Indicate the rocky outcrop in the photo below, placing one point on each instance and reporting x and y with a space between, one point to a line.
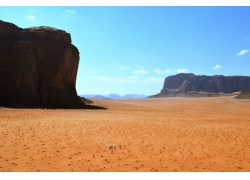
243 95
38 67
190 85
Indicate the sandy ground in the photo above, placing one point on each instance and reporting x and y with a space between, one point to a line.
168 134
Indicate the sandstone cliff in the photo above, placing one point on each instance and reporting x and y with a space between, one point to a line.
38 67
191 85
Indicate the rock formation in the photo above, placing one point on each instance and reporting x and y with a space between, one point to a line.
243 95
190 85
38 67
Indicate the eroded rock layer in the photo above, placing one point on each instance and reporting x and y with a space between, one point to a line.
190 85
38 67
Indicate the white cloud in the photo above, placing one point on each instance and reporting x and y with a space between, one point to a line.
133 77
158 71
141 71
70 11
217 67
30 18
111 80
123 67
129 79
152 80
242 52
94 71
182 70
169 71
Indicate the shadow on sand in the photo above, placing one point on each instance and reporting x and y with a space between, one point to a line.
83 104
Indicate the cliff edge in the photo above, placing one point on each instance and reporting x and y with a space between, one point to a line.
38 67
190 85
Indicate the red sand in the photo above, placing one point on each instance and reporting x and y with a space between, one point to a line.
168 134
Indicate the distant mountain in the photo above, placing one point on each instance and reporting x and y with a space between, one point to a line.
133 96
127 96
115 96
94 96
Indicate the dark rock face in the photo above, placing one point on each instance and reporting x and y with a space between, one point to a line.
243 95
38 67
192 85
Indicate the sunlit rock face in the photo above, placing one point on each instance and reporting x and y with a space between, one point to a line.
201 85
38 67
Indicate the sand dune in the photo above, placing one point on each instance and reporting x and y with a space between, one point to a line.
171 134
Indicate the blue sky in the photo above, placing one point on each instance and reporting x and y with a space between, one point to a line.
128 50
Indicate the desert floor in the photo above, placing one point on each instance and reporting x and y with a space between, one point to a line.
167 134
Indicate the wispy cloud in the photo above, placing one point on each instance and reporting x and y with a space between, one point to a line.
158 71
242 52
182 70
109 80
133 77
169 71
123 67
30 18
70 11
95 71
152 80
141 71
129 79
217 67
